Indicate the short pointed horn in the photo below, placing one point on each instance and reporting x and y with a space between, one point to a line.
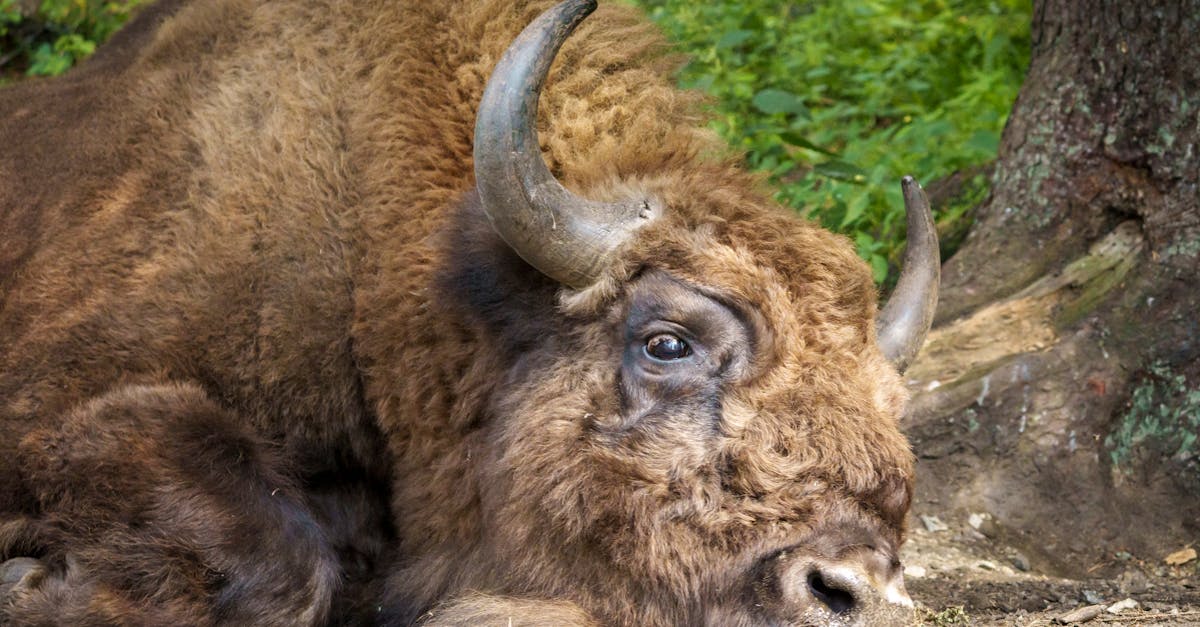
566 237
905 320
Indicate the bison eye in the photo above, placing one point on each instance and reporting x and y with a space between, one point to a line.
667 347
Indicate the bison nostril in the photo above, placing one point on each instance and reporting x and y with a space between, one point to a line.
838 600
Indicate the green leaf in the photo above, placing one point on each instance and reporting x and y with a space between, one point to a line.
985 141
854 209
783 168
75 46
734 38
795 139
879 268
48 62
703 83
866 244
772 101
840 170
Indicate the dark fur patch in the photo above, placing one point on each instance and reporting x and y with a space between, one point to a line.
485 279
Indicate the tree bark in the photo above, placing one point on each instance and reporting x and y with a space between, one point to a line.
1054 390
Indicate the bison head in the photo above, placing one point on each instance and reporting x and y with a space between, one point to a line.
709 432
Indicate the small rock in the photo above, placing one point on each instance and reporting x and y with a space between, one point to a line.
1080 615
933 523
1121 606
989 528
1133 582
916 572
986 565
984 524
1181 557
1020 562
1093 597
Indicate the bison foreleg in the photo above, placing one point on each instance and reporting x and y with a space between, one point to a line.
156 505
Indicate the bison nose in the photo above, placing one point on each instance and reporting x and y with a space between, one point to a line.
836 589
843 586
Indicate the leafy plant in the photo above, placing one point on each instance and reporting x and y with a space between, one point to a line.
836 100
57 35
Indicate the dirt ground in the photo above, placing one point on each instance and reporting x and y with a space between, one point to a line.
951 563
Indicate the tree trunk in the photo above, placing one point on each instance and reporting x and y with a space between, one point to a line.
1060 389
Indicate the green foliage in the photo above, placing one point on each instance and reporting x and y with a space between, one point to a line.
56 36
837 100
1164 411
9 15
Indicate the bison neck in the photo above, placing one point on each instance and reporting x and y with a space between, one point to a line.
479 319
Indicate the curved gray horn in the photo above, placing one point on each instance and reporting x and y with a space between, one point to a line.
905 320
566 237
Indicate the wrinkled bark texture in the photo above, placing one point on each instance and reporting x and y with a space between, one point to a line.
1054 391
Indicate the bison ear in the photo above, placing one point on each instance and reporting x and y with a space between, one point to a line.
905 320
568 238
892 498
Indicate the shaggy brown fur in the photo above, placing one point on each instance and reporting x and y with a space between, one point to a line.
167 506
270 202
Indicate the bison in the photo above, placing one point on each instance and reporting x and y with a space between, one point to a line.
320 312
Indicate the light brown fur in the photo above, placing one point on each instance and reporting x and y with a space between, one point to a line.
271 200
